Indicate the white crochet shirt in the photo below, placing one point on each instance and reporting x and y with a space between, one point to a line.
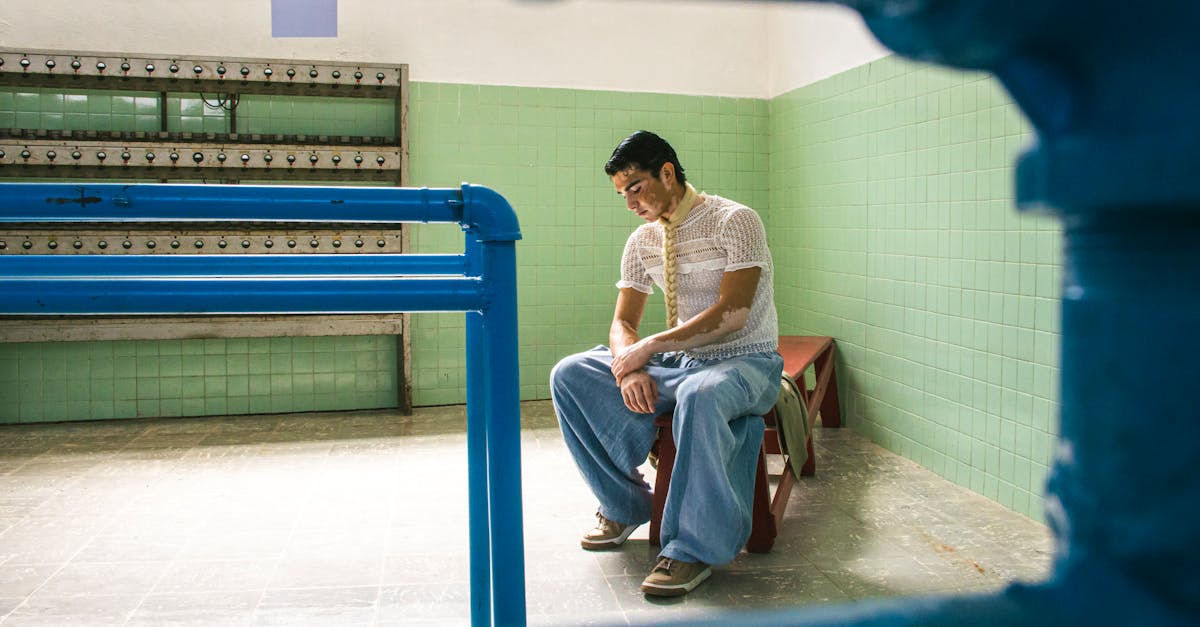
716 237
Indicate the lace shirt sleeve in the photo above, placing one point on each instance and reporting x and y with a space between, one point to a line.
744 239
633 270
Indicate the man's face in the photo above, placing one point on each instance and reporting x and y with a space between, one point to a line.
645 194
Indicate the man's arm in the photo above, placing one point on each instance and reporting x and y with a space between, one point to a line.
638 390
728 314
626 319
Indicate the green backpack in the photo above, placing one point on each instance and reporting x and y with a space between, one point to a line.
791 418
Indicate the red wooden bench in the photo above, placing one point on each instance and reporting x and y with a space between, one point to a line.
800 353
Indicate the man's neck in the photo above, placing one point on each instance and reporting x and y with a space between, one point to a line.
675 200
676 212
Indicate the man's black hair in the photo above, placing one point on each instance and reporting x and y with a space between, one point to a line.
644 151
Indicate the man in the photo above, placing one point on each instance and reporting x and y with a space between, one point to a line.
715 366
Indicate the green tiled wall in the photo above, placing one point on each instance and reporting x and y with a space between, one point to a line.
58 109
544 150
887 195
100 380
892 212
283 114
189 114
310 116
57 381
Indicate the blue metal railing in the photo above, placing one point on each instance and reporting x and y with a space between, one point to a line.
480 282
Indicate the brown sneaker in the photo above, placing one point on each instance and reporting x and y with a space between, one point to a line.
672 578
607 534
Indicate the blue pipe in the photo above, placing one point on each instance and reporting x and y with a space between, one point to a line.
477 209
1109 86
142 202
477 439
498 260
481 282
154 295
489 225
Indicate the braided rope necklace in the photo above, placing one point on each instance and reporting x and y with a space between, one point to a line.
670 266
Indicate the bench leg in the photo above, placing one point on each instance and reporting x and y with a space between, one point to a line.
787 479
763 529
662 480
810 465
831 413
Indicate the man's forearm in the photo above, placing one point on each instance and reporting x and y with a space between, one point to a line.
730 313
621 335
711 325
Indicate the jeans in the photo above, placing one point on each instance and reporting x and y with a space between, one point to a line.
718 430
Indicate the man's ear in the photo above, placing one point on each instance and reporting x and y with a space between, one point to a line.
667 174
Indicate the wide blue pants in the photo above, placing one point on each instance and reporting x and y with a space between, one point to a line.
718 430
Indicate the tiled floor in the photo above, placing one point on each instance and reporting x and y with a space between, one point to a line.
360 519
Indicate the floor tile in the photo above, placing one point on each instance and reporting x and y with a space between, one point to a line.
56 611
21 581
360 518
196 609
318 606
103 579
433 601
324 572
195 576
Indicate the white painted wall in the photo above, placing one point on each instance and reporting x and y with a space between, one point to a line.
809 42
692 47
744 49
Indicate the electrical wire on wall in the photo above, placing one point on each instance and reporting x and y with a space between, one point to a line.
225 102
228 102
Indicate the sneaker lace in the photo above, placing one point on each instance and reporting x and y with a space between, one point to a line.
665 565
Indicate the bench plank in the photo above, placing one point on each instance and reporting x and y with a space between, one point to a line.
800 352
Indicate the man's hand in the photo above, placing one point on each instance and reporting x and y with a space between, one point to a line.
639 392
632 358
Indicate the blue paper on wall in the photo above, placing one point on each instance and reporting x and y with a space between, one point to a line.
304 18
